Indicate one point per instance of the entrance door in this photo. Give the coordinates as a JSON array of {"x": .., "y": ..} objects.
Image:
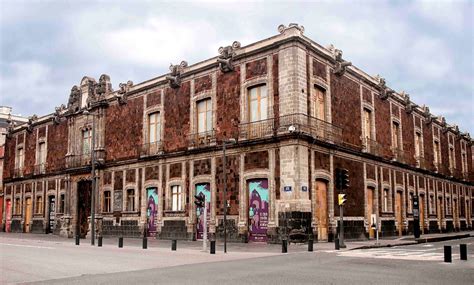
[
  {"x": 51, "y": 213},
  {"x": 28, "y": 213},
  {"x": 152, "y": 211},
  {"x": 83, "y": 207},
  {"x": 370, "y": 210},
  {"x": 8, "y": 215},
  {"x": 422, "y": 214},
  {"x": 204, "y": 190},
  {"x": 322, "y": 209},
  {"x": 398, "y": 209},
  {"x": 258, "y": 209}
]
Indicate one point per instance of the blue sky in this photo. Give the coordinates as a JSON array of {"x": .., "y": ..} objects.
[{"x": 424, "y": 48}]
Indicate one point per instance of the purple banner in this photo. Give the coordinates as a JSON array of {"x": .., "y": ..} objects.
[
  {"x": 258, "y": 209},
  {"x": 204, "y": 190},
  {"x": 152, "y": 211}
]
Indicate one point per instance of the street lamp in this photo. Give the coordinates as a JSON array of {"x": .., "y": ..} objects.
[
  {"x": 87, "y": 113},
  {"x": 224, "y": 143}
]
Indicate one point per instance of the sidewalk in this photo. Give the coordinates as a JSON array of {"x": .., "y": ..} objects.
[{"x": 239, "y": 247}]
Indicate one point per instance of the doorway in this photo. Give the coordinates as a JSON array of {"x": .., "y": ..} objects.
[
  {"x": 204, "y": 190},
  {"x": 8, "y": 215},
  {"x": 322, "y": 209},
  {"x": 422, "y": 214},
  {"x": 51, "y": 213},
  {"x": 398, "y": 209},
  {"x": 84, "y": 189},
  {"x": 370, "y": 210},
  {"x": 258, "y": 209},
  {"x": 152, "y": 211},
  {"x": 28, "y": 214}
]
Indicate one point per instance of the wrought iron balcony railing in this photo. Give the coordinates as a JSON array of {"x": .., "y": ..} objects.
[
  {"x": 150, "y": 149},
  {"x": 82, "y": 160},
  {"x": 293, "y": 123},
  {"x": 371, "y": 146},
  {"x": 202, "y": 139},
  {"x": 40, "y": 168},
  {"x": 18, "y": 172}
]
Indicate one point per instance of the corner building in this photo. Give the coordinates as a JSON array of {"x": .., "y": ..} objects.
[{"x": 296, "y": 110}]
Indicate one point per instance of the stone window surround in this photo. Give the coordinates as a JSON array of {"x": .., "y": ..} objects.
[
  {"x": 38, "y": 142},
  {"x": 150, "y": 110},
  {"x": 202, "y": 179},
  {"x": 400, "y": 134},
  {"x": 318, "y": 83},
  {"x": 398, "y": 119},
  {"x": 169, "y": 197},
  {"x": 59, "y": 209},
  {"x": 364, "y": 106},
  {"x": 196, "y": 97},
  {"x": 102, "y": 200},
  {"x": 36, "y": 210},
  {"x": 17, "y": 208},
  {"x": 386, "y": 187},
  {"x": 419, "y": 130},
  {"x": 135, "y": 198},
  {"x": 453, "y": 147},
  {"x": 20, "y": 146},
  {"x": 411, "y": 193},
  {"x": 246, "y": 84},
  {"x": 436, "y": 138}
]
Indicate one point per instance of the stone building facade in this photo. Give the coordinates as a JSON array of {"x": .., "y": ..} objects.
[{"x": 291, "y": 112}]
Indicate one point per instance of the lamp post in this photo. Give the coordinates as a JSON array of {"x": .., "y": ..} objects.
[
  {"x": 224, "y": 143},
  {"x": 87, "y": 113}
]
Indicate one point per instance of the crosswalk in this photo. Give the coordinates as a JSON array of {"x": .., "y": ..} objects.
[{"x": 425, "y": 254}]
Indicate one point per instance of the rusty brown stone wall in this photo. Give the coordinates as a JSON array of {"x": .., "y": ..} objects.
[
  {"x": 319, "y": 69},
  {"x": 42, "y": 132},
  {"x": 177, "y": 106},
  {"x": 417, "y": 122},
  {"x": 399, "y": 177},
  {"x": 118, "y": 180},
  {"x": 355, "y": 195},
  {"x": 51, "y": 184},
  {"x": 367, "y": 96},
  {"x": 386, "y": 175},
  {"x": 153, "y": 98},
  {"x": 346, "y": 108},
  {"x": 39, "y": 187},
  {"x": 276, "y": 94},
  {"x": 152, "y": 173},
  {"x": 277, "y": 173},
  {"x": 408, "y": 134},
  {"x": 257, "y": 159},
  {"x": 107, "y": 178},
  {"x": 233, "y": 184},
  {"x": 202, "y": 167},
  {"x": 175, "y": 170},
  {"x": 370, "y": 171},
  {"x": 28, "y": 187},
  {"x": 428, "y": 146},
  {"x": 62, "y": 184},
  {"x": 383, "y": 126},
  {"x": 203, "y": 83},
  {"x": 256, "y": 68},
  {"x": 321, "y": 160},
  {"x": 30, "y": 152},
  {"x": 395, "y": 110},
  {"x": 122, "y": 140},
  {"x": 457, "y": 155},
  {"x": 130, "y": 176},
  {"x": 9, "y": 157},
  {"x": 228, "y": 98},
  {"x": 57, "y": 146},
  {"x": 410, "y": 180},
  {"x": 444, "y": 167}
]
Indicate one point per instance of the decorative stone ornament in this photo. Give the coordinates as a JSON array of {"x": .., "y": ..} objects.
[
  {"x": 175, "y": 74},
  {"x": 341, "y": 64},
  {"x": 57, "y": 114},
  {"x": 11, "y": 126},
  {"x": 428, "y": 117},
  {"x": 409, "y": 105},
  {"x": 282, "y": 28},
  {"x": 385, "y": 92},
  {"x": 226, "y": 55},
  {"x": 103, "y": 87},
  {"x": 74, "y": 102},
  {"x": 31, "y": 121},
  {"x": 122, "y": 92}
]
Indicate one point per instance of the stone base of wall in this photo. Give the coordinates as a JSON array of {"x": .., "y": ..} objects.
[
  {"x": 16, "y": 226},
  {"x": 355, "y": 230},
  {"x": 124, "y": 229},
  {"x": 433, "y": 228},
  {"x": 232, "y": 231},
  {"x": 291, "y": 222},
  {"x": 449, "y": 226},
  {"x": 463, "y": 225},
  {"x": 174, "y": 230},
  {"x": 388, "y": 229},
  {"x": 37, "y": 227}
]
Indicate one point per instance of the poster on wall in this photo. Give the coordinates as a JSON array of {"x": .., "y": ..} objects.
[
  {"x": 118, "y": 201},
  {"x": 258, "y": 210},
  {"x": 8, "y": 213},
  {"x": 152, "y": 210},
  {"x": 203, "y": 189}
]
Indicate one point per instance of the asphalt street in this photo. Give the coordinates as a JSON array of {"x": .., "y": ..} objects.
[{"x": 60, "y": 262}]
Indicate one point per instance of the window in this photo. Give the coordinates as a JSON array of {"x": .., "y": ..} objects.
[
  {"x": 437, "y": 155},
  {"x": 86, "y": 141},
  {"x": 17, "y": 206},
  {"x": 62, "y": 202},
  {"x": 318, "y": 103},
  {"x": 107, "y": 207},
  {"x": 41, "y": 153},
  {"x": 39, "y": 205},
  {"x": 432, "y": 205},
  {"x": 418, "y": 146},
  {"x": 367, "y": 124},
  {"x": 130, "y": 200},
  {"x": 410, "y": 203},
  {"x": 396, "y": 135},
  {"x": 452, "y": 165},
  {"x": 385, "y": 200},
  {"x": 20, "y": 158},
  {"x": 258, "y": 103},
  {"x": 154, "y": 127},
  {"x": 204, "y": 115},
  {"x": 448, "y": 206},
  {"x": 176, "y": 197}
]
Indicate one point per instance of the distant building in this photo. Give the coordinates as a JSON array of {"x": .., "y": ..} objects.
[{"x": 295, "y": 112}]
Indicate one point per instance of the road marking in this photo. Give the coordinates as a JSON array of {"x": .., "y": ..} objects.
[{"x": 32, "y": 246}]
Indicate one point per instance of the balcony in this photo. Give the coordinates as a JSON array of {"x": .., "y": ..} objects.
[
  {"x": 203, "y": 139},
  {"x": 150, "y": 149},
  {"x": 18, "y": 172},
  {"x": 83, "y": 160},
  {"x": 294, "y": 123},
  {"x": 40, "y": 168},
  {"x": 399, "y": 155},
  {"x": 371, "y": 146}
]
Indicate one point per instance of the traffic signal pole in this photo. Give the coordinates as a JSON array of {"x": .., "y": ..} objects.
[
  {"x": 341, "y": 227},
  {"x": 204, "y": 237}
]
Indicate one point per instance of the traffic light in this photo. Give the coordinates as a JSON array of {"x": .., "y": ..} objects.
[
  {"x": 199, "y": 200},
  {"x": 344, "y": 179},
  {"x": 341, "y": 199},
  {"x": 338, "y": 179}
]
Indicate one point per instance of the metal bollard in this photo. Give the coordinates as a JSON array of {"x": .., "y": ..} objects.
[
  {"x": 174, "y": 244},
  {"x": 213, "y": 247},
  {"x": 77, "y": 240},
  {"x": 120, "y": 242},
  {"x": 447, "y": 253},
  {"x": 284, "y": 246},
  {"x": 310, "y": 245},
  {"x": 99, "y": 241},
  {"x": 463, "y": 249},
  {"x": 336, "y": 243},
  {"x": 145, "y": 243}
]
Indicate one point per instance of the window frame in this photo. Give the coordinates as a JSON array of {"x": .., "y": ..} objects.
[
  {"x": 258, "y": 88},
  {"x": 157, "y": 127},
  {"x": 39, "y": 205},
  {"x": 208, "y": 115},
  {"x": 107, "y": 202},
  {"x": 176, "y": 197},
  {"x": 86, "y": 139},
  {"x": 130, "y": 197}
]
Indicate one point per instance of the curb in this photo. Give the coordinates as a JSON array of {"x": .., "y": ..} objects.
[{"x": 384, "y": 245}]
